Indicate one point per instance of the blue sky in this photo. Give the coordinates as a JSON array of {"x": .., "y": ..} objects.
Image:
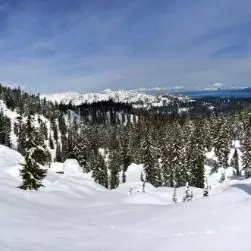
[{"x": 88, "y": 45}]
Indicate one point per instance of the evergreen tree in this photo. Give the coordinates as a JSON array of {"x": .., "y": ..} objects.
[
  {"x": 222, "y": 144},
  {"x": 115, "y": 167},
  {"x": 246, "y": 148},
  {"x": 32, "y": 172},
  {"x": 54, "y": 128},
  {"x": 150, "y": 161},
  {"x": 99, "y": 172},
  {"x": 126, "y": 157},
  {"x": 51, "y": 143},
  {"x": 59, "y": 157},
  {"x": 196, "y": 158},
  {"x": 80, "y": 151},
  {"x": 235, "y": 163}
]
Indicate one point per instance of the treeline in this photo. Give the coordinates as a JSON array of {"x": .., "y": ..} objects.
[
  {"x": 107, "y": 137},
  {"x": 172, "y": 150}
]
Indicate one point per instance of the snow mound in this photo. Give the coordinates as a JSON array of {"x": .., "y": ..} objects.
[
  {"x": 73, "y": 212},
  {"x": 71, "y": 184},
  {"x": 13, "y": 171},
  {"x": 134, "y": 187},
  {"x": 72, "y": 167},
  {"x": 144, "y": 199},
  {"x": 56, "y": 167},
  {"x": 9, "y": 157},
  {"x": 133, "y": 173}
]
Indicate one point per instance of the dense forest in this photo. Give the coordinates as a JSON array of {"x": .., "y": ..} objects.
[{"x": 106, "y": 137}]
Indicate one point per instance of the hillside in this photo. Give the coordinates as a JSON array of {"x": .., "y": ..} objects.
[
  {"x": 150, "y": 180},
  {"x": 74, "y": 213},
  {"x": 138, "y": 99}
]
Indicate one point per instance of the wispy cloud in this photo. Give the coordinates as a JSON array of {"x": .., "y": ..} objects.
[{"x": 88, "y": 45}]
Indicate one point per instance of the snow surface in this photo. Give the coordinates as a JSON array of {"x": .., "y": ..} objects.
[
  {"x": 74, "y": 213},
  {"x": 72, "y": 167},
  {"x": 139, "y": 99}
]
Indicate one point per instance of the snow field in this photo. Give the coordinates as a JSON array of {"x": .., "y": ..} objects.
[{"x": 74, "y": 213}]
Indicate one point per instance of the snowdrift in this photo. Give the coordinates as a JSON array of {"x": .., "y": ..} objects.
[
  {"x": 75, "y": 213},
  {"x": 72, "y": 167}
]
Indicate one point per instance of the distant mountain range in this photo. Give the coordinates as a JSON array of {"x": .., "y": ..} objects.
[
  {"x": 146, "y": 98},
  {"x": 136, "y": 98}
]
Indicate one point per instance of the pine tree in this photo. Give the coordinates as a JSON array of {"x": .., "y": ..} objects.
[
  {"x": 235, "y": 163},
  {"x": 32, "y": 172},
  {"x": 59, "y": 157},
  {"x": 80, "y": 151},
  {"x": 215, "y": 167},
  {"x": 246, "y": 148},
  {"x": 125, "y": 153},
  {"x": 51, "y": 143},
  {"x": 222, "y": 144},
  {"x": 150, "y": 161},
  {"x": 99, "y": 172},
  {"x": 54, "y": 128},
  {"x": 115, "y": 167},
  {"x": 196, "y": 158},
  {"x": 5, "y": 129}
]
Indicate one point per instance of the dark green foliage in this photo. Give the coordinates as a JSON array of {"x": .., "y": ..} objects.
[
  {"x": 5, "y": 129},
  {"x": 115, "y": 168},
  {"x": 246, "y": 147},
  {"x": 59, "y": 157},
  {"x": 150, "y": 161},
  {"x": 196, "y": 158},
  {"x": 100, "y": 173},
  {"x": 51, "y": 143},
  {"x": 32, "y": 173},
  {"x": 222, "y": 143},
  {"x": 235, "y": 163}
]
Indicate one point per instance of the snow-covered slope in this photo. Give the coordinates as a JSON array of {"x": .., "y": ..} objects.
[
  {"x": 14, "y": 119},
  {"x": 125, "y": 96},
  {"x": 74, "y": 213}
]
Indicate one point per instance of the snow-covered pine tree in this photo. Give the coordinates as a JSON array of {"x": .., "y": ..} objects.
[
  {"x": 32, "y": 172},
  {"x": 54, "y": 128},
  {"x": 99, "y": 172},
  {"x": 196, "y": 158},
  {"x": 115, "y": 168},
  {"x": 235, "y": 163},
  {"x": 222, "y": 144},
  {"x": 64, "y": 149},
  {"x": 125, "y": 155},
  {"x": 58, "y": 157},
  {"x": 5, "y": 129},
  {"x": 179, "y": 158},
  {"x": 80, "y": 151},
  {"x": 215, "y": 167},
  {"x": 246, "y": 147},
  {"x": 51, "y": 143},
  {"x": 166, "y": 158},
  {"x": 150, "y": 161}
]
